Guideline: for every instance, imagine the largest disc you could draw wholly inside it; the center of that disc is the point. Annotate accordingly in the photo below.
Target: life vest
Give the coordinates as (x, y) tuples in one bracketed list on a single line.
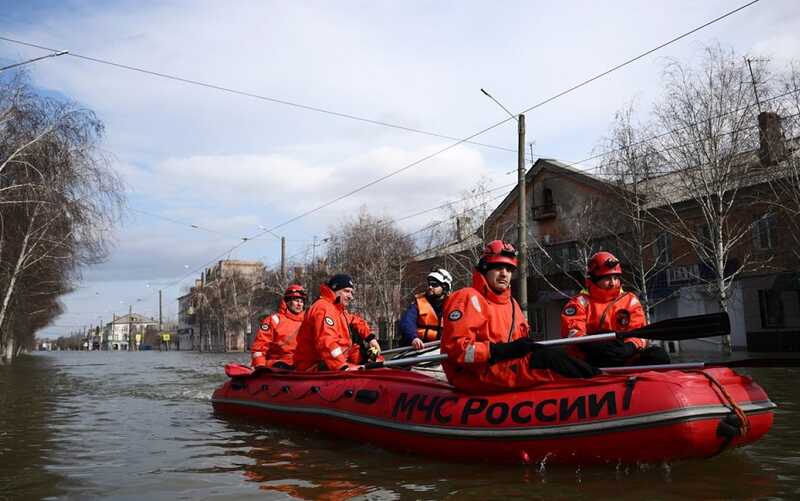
[(429, 325)]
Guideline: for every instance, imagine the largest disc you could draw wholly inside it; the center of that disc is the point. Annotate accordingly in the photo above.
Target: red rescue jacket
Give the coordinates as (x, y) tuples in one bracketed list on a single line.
[(599, 310), (276, 338), (474, 317), (324, 337)]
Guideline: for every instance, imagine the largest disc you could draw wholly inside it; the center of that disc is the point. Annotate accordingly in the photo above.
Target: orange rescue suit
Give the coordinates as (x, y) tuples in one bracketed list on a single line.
[(474, 317), (324, 337), (276, 338), (428, 324), (597, 310)]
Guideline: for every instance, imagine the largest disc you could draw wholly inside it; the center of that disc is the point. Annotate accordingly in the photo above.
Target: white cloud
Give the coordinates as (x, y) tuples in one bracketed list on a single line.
[(230, 163)]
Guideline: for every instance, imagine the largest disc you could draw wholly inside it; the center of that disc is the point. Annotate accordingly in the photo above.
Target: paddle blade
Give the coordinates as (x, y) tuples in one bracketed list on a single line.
[(237, 370), (769, 361), (679, 329)]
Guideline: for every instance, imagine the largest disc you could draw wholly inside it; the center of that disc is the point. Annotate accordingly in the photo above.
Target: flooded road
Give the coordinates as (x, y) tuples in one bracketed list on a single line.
[(132, 426)]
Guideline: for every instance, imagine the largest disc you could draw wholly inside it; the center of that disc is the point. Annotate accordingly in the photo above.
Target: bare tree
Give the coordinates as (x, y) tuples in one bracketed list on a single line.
[(631, 165), (225, 308), (58, 198), (374, 251), (785, 183), (710, 116)]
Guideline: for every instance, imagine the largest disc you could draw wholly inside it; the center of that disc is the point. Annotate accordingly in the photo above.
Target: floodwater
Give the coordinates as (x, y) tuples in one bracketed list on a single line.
[(111, 425)]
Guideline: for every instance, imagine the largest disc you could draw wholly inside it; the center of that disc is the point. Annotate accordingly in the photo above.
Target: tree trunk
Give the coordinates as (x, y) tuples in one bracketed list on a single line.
[(6, 338)]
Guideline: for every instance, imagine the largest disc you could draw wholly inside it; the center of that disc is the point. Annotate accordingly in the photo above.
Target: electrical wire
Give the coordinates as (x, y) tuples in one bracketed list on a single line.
[(414, 163), (252, 95)]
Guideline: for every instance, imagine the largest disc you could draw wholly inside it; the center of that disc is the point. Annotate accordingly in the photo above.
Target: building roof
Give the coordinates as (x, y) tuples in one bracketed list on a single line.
[(134, 318)]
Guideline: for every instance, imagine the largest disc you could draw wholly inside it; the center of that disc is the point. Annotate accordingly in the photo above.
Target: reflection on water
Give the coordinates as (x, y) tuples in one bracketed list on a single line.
[(140, 426)]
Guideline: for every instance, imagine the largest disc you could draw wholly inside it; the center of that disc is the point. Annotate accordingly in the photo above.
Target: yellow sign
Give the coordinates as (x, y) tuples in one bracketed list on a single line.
[(165, 337), (138, 338)]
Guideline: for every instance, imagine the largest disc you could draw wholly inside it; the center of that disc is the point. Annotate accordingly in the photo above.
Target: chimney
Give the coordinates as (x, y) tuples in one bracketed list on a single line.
[(462, 226), (772, 145)]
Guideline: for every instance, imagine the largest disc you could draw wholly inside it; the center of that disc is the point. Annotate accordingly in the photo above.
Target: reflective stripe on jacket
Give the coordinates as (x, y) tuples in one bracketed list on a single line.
[(474, 317), (276, 339), (324, 337), (597, 310)]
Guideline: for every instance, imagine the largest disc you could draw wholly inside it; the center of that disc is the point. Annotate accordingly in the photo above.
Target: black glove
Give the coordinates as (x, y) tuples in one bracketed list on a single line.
[(558, 361), (506, 351), (611, 354)]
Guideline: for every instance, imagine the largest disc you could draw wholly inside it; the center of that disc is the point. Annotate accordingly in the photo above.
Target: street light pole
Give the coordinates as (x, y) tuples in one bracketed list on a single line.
[(54, 54), (522, 220), (522, 209)]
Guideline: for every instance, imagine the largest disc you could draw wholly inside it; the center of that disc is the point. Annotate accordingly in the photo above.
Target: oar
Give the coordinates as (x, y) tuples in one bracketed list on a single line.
[(403, 349), (769, 362), (673, 329)]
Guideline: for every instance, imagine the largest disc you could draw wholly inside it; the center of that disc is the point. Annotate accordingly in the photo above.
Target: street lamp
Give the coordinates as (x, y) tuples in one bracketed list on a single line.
[(54, 54), (522, 221)]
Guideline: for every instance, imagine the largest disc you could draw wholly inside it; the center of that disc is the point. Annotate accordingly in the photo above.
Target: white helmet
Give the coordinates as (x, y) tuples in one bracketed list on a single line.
[(442, 276)]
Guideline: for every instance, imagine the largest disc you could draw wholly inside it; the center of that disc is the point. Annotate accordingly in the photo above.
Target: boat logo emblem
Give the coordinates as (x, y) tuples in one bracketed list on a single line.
[(265, 326), (329, 321), (569, 310), (454, 315)]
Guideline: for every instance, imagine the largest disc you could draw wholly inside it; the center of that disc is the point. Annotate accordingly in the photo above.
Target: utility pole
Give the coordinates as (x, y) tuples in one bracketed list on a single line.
[(159, 312), (313, 257), (130, 327), (283, 259), (522, 220)]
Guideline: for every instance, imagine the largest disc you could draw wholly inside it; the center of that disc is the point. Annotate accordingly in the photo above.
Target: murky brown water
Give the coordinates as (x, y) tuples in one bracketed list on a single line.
[(140, 426)]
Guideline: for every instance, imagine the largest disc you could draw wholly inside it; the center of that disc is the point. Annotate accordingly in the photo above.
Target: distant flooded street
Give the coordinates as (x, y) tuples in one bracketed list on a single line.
[(118, 425)]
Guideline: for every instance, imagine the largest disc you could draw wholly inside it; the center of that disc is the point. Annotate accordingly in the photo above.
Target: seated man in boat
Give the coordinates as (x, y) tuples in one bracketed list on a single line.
[(604, 307), (276, 339), (422, 320), (485, 334), (324, 341)]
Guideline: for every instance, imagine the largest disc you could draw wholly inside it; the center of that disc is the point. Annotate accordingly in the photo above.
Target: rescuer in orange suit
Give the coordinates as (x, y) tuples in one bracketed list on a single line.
[(276, 338), (485, 334), (604, 307), (324, 341)]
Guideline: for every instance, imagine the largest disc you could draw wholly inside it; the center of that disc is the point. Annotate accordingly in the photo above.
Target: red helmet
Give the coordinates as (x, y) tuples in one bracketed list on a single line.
[(603, 263), (498, 251), (295, 291)]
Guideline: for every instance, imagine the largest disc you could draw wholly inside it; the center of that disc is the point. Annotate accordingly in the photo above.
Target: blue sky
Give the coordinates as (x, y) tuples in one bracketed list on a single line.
[(231, 164)]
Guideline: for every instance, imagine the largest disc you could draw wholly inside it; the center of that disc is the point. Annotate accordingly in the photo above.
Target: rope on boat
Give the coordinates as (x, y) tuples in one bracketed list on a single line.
[(745, 422)]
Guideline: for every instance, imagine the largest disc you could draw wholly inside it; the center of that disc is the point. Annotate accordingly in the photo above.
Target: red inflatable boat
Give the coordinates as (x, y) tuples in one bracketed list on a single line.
[(647, 416)]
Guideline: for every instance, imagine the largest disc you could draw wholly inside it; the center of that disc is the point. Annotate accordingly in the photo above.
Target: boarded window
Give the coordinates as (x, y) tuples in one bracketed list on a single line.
[(771, 306)]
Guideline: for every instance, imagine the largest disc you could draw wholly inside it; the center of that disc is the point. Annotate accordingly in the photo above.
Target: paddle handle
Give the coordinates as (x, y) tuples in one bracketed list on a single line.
[(402, 349)]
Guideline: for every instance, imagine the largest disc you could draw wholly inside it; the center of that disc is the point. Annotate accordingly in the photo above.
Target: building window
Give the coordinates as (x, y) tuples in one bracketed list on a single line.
[(662, 250), (771, 306), (538, 322), (548, 197), (764, 232)]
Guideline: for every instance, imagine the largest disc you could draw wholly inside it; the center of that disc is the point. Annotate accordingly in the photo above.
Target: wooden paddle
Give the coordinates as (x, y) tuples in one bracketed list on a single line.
[(672, 329)]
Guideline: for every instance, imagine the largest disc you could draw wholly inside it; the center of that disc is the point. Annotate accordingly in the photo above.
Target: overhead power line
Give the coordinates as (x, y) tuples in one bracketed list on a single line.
[(252, 95), (426, 157), (538, 105)]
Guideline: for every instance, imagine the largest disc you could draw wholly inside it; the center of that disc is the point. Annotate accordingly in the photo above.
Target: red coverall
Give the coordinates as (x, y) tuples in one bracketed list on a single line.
[(474, 317), (602, 310), (324, 335), (276, 339)]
